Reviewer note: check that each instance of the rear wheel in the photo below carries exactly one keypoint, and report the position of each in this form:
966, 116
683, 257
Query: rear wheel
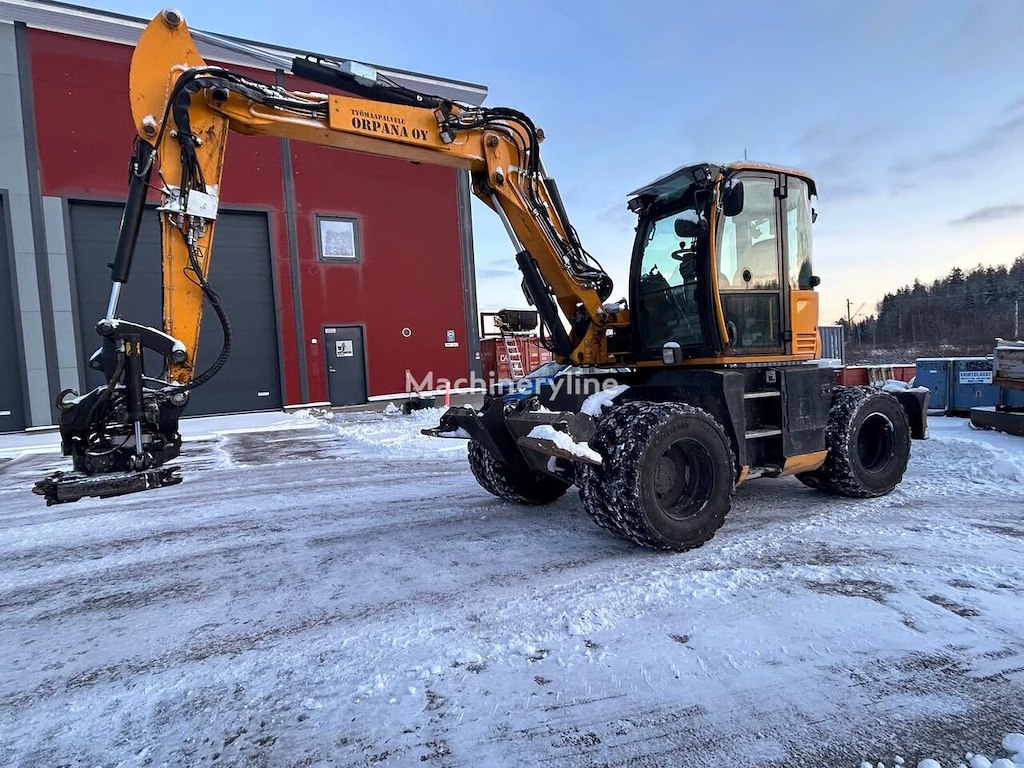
499, 479
868, 441
667, 477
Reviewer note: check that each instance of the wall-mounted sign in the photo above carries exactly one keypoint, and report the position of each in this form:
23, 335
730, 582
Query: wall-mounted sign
343, 348
975, 377
450, 335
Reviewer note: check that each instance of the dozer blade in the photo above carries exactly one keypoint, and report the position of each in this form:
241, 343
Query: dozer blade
63, 487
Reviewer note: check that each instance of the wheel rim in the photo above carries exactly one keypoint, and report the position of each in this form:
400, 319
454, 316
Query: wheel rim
876, 442
683, 479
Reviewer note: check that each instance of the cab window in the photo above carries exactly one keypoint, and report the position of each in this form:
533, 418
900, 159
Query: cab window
798, 234
670, 304
748, 255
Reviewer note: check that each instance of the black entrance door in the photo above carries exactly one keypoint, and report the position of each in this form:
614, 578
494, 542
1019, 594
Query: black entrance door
241, 273
346, 364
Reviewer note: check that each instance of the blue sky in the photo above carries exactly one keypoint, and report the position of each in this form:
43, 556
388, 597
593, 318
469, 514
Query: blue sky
909, 114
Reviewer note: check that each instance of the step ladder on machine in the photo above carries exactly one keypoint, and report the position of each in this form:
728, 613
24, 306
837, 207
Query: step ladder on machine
515, 358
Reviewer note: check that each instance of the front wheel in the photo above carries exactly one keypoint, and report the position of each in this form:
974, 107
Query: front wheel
497, 478
868, 441
667, 475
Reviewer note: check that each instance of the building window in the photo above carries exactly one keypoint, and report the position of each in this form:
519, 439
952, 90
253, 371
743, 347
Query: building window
338, 238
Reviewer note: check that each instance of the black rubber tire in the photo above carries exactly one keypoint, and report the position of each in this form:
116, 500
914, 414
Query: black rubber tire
868, 441
675, 446
497, 478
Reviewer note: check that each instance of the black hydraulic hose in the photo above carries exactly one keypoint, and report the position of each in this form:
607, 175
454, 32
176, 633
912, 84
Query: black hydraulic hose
103, 400
225, 324
326, 74
225, 349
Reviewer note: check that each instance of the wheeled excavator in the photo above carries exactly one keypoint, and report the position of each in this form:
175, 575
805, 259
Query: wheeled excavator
706, 374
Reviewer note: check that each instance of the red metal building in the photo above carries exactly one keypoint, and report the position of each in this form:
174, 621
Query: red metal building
320, 254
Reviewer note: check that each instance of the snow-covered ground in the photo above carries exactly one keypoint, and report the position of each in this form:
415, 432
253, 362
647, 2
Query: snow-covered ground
341, 592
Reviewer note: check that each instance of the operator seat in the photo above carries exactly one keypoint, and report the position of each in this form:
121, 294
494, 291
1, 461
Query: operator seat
761, 260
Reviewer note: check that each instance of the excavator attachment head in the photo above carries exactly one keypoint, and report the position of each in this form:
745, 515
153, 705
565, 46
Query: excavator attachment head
120, 435
63, 487
98, 432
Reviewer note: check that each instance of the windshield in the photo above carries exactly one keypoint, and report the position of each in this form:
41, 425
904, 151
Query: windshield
545, 370
669, 299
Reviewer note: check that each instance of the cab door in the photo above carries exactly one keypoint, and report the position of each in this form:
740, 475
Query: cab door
798, 215
750, 269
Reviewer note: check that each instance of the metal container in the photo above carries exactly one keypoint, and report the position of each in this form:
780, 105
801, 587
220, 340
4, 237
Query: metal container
971, 384
494, 358
935, 373
959, 384
862, 375
833, 344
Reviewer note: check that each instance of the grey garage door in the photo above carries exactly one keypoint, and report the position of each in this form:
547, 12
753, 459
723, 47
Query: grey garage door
12, 413
240, 273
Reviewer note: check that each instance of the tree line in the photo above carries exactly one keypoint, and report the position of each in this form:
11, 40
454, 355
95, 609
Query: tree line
963, 312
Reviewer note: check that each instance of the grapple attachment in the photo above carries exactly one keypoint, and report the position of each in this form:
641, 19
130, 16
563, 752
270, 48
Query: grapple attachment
62, 487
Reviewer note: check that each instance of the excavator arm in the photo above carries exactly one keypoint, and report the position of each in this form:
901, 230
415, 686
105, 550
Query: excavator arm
121, 435
185, 109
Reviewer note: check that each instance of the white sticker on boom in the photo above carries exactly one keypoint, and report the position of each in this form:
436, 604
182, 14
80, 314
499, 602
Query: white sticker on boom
202, 205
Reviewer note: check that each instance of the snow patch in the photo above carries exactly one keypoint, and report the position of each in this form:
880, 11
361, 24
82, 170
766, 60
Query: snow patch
565, 442
895, 385
1007, 344
598, 401
1014, 742
391, 437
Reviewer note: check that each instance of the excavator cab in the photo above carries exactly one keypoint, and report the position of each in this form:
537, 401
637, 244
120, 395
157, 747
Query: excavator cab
722, 264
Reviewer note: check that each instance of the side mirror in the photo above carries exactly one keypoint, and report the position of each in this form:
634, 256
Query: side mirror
688, 225
732, 199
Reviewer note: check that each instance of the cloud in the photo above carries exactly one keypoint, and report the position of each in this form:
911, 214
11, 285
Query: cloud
841, 191
984, 36
991, 213
835, 156
619, 217
1016, 108
835, 151
1008, 132
496, 271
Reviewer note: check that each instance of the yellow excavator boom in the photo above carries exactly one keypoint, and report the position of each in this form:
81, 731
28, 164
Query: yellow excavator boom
185, 109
